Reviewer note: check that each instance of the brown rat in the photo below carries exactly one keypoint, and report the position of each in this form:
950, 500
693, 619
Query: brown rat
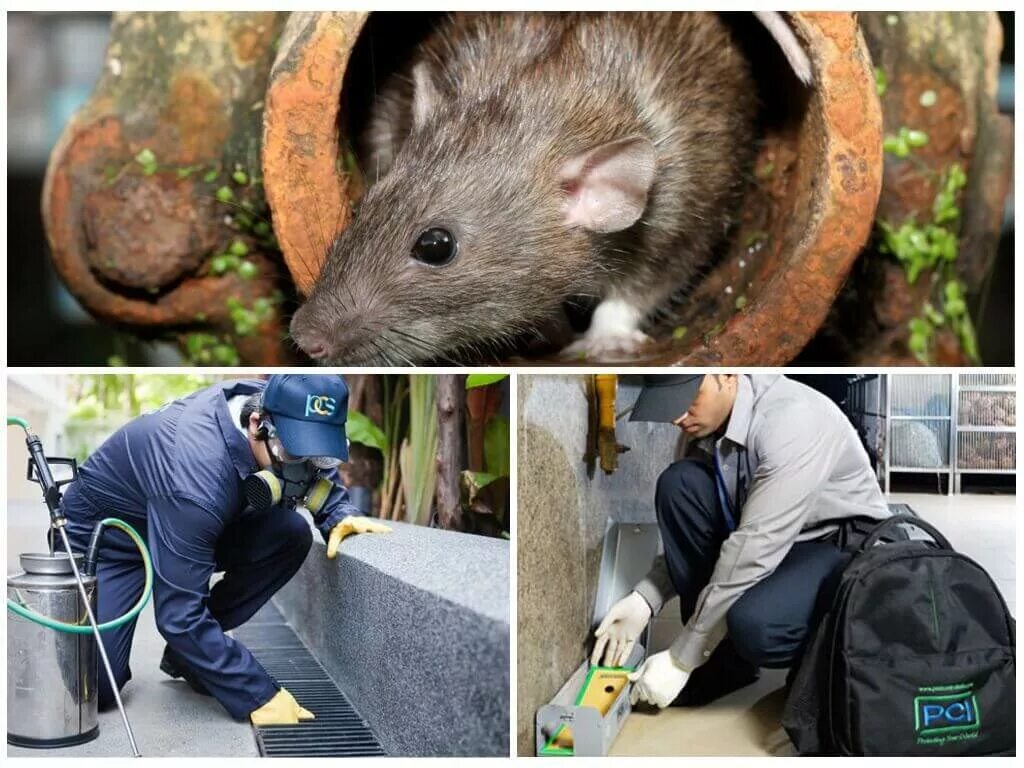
529, 158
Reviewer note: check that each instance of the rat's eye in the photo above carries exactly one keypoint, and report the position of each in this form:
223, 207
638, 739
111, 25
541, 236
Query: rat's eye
435, 247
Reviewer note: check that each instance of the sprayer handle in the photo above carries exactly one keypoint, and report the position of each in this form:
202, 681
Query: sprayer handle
51, 492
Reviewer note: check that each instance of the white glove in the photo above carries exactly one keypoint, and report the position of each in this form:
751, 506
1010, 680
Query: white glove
619, 630
658, 681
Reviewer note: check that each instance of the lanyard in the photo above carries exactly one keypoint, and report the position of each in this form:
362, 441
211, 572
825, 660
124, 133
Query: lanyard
723, 495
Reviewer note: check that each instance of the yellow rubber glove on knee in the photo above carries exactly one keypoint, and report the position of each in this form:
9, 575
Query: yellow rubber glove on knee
283, 709
347, 527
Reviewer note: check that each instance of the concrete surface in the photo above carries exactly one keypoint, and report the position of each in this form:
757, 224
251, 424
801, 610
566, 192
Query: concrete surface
561, 521
167, 717
413, 626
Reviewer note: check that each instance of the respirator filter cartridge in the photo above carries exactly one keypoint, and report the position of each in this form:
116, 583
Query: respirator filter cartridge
263, 490
318, 494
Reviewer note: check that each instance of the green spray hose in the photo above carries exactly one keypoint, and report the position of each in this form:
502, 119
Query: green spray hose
85, 629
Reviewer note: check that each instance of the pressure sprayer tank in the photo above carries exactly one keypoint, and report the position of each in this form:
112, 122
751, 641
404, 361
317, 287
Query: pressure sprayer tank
51, 675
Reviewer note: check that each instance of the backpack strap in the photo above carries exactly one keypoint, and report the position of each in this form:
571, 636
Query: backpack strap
890, 523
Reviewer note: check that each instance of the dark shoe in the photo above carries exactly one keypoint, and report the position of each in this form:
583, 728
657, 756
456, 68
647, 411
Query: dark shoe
724, 673
171, 664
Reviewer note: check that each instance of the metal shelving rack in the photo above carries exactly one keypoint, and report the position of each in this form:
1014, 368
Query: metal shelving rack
926, 400
977, 444
865, 405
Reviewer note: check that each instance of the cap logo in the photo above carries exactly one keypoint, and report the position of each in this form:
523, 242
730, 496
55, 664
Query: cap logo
320, 405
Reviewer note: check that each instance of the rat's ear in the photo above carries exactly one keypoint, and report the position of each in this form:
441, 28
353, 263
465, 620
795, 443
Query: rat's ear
607, 186
424, 94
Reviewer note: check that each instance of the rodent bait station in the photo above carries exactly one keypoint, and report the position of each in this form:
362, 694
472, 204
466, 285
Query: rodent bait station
585, 716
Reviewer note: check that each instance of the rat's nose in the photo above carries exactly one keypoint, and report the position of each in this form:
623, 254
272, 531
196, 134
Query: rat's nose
316, 350
312, 340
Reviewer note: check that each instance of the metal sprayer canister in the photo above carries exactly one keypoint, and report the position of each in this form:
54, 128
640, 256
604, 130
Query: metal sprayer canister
51, 676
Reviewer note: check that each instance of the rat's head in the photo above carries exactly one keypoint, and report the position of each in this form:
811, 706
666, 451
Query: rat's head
480, 230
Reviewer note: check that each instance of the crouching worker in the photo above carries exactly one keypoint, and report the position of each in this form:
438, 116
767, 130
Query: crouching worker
754, 524
212, 482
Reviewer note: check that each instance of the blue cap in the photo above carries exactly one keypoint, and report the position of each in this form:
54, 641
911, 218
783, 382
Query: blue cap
309, 412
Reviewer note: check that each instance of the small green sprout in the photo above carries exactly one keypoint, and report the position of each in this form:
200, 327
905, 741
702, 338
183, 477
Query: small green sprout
247, 270
755, 240
147, 160
881, 81
710, 334
916, 138
901, 144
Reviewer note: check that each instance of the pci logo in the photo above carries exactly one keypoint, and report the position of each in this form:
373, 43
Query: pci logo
320, 405
946, 713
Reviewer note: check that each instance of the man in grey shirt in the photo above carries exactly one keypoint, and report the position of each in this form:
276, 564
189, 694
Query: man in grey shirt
752, 528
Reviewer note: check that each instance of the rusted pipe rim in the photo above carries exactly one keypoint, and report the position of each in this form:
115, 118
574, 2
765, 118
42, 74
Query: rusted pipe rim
302, 155
818, 226
131, 242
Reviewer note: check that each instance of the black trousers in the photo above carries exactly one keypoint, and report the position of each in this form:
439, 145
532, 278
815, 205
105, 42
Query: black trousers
769, 625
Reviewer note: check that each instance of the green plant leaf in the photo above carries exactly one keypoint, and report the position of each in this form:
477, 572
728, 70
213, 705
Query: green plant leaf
475, 380
496, 446
247, 270
917, 138
881, 81
482, 479
363, 431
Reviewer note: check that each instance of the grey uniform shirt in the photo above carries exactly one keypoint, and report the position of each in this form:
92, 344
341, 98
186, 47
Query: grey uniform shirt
793, 465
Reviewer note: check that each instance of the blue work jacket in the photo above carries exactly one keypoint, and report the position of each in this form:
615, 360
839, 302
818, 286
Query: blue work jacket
177, 475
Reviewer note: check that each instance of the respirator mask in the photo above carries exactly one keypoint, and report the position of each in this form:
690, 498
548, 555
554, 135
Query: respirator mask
290, 480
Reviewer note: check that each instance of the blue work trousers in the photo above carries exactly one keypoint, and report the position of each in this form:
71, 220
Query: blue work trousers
256, 556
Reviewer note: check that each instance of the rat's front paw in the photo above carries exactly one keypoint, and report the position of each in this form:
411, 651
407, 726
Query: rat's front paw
606, 344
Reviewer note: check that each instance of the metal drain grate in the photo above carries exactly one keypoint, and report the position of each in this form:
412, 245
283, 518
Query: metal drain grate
267, 636
338, 730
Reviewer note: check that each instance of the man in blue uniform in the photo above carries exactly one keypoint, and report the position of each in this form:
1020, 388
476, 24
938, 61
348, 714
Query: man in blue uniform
211, 482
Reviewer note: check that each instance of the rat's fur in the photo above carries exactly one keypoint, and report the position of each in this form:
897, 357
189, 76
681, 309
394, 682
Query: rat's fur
503, 101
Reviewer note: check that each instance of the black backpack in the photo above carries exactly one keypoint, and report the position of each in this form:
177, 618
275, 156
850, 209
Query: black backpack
916, 656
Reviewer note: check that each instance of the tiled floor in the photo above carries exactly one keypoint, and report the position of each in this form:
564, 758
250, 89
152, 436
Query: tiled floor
747, 721
983, 527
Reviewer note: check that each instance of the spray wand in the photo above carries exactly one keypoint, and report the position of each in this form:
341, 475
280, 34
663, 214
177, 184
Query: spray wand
52, 496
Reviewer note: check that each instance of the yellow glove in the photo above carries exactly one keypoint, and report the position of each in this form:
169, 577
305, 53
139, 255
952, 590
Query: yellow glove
347, 527
283, 709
